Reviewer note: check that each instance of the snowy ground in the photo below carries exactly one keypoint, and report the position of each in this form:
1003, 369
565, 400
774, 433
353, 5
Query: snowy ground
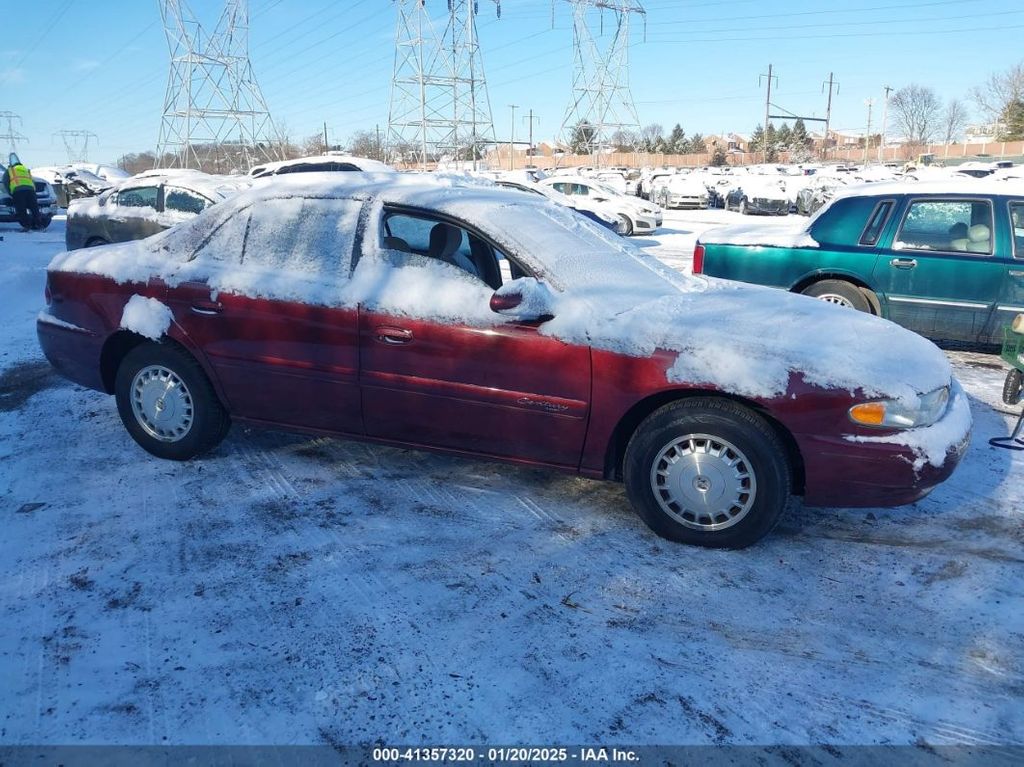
296, 590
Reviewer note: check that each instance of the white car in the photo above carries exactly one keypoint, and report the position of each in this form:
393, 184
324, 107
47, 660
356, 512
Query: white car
683, 190
637, 216
577, 203
327, 162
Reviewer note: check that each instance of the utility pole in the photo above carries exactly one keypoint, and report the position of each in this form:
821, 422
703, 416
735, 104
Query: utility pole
530, 118
378, 157
767, 111
828, 110
11, 135
867, 137
327, 146
885, 115
512, 138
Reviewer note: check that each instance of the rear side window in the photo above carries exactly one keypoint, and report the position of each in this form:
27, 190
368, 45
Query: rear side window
140, 197
313, 237
876, 223
950, 226
183, 201
1017, 222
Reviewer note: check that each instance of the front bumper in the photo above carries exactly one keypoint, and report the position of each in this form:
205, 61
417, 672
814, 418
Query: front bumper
687, 201
8, 215
768, 207
644, 223
884, 471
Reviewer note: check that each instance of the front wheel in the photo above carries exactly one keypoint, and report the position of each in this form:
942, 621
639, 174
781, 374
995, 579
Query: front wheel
839, 292
627, 225
44, 222
708, 472
167, 403
743, 206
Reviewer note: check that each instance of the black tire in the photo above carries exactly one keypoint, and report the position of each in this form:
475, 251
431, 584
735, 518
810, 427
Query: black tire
92, 242
44, 222
1013, 387
837, 291
627, 225
706, 420
209, 420
743, 207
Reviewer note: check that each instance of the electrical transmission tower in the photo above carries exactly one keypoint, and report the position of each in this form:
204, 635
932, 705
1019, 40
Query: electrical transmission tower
439, 103
76, 143
601, 108
11, 135
215, 117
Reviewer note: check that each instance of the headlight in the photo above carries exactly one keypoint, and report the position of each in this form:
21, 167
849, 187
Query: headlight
892, 414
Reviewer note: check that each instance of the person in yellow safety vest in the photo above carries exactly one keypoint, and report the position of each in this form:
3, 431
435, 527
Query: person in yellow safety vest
17, 180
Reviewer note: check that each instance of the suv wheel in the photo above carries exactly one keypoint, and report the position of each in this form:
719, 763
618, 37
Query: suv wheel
709, 472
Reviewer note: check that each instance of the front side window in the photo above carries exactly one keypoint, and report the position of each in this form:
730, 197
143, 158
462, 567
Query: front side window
183, 201
1017, 222
951, 226
140, 197
312, 237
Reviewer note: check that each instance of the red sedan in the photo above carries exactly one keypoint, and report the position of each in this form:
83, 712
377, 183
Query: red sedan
480, 321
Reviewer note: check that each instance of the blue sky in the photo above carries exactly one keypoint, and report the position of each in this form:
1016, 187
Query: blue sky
101, 65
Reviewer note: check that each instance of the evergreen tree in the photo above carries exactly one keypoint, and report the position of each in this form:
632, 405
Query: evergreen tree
799, 135
676, 143
718, 157
582, 139
757, 139
1013, 121
784, 137
696, 145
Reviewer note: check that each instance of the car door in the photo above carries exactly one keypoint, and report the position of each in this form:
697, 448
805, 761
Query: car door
437, 368
133, 214
1011, 301
940, 274
262, 300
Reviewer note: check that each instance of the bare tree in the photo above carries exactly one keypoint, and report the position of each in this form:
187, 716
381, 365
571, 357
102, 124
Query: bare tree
954, 120
650, 136
314, 145
918, 113
999, 91
365, 143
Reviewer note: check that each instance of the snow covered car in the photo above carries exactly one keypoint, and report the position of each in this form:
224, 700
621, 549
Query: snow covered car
578, 204
144, 205
319, 164
71, 182
638, 217
943, 258
765, 195
483, 322
683, 190
45, 196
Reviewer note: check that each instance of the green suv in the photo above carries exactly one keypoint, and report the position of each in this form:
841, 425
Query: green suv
945, 259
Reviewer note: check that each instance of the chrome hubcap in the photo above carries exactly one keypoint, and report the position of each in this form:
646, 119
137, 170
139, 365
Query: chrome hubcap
162, 403
835, 298
703, 482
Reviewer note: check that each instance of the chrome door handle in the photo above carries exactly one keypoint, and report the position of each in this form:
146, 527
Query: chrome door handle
207, 308
903, 263
394, 336
1016, 273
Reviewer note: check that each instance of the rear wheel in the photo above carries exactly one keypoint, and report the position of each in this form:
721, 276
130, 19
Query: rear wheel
92, 242
708, 472
839, 292
1013, 387
167, 403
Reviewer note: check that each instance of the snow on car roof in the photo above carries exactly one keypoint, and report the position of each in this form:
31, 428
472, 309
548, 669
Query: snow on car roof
363, 163
952, 185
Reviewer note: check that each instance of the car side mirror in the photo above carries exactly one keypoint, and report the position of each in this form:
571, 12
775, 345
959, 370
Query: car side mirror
599, 199
524, 299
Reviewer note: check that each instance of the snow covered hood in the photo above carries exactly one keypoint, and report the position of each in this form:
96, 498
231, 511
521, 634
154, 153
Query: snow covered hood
783, 234
603, 292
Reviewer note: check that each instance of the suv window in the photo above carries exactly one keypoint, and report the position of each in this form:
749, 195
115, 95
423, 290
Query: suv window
309, 236
183, 201
1017, 222
139, 197
952, 226
876, 223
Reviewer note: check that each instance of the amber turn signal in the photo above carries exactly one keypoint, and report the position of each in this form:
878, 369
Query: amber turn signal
869, 413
